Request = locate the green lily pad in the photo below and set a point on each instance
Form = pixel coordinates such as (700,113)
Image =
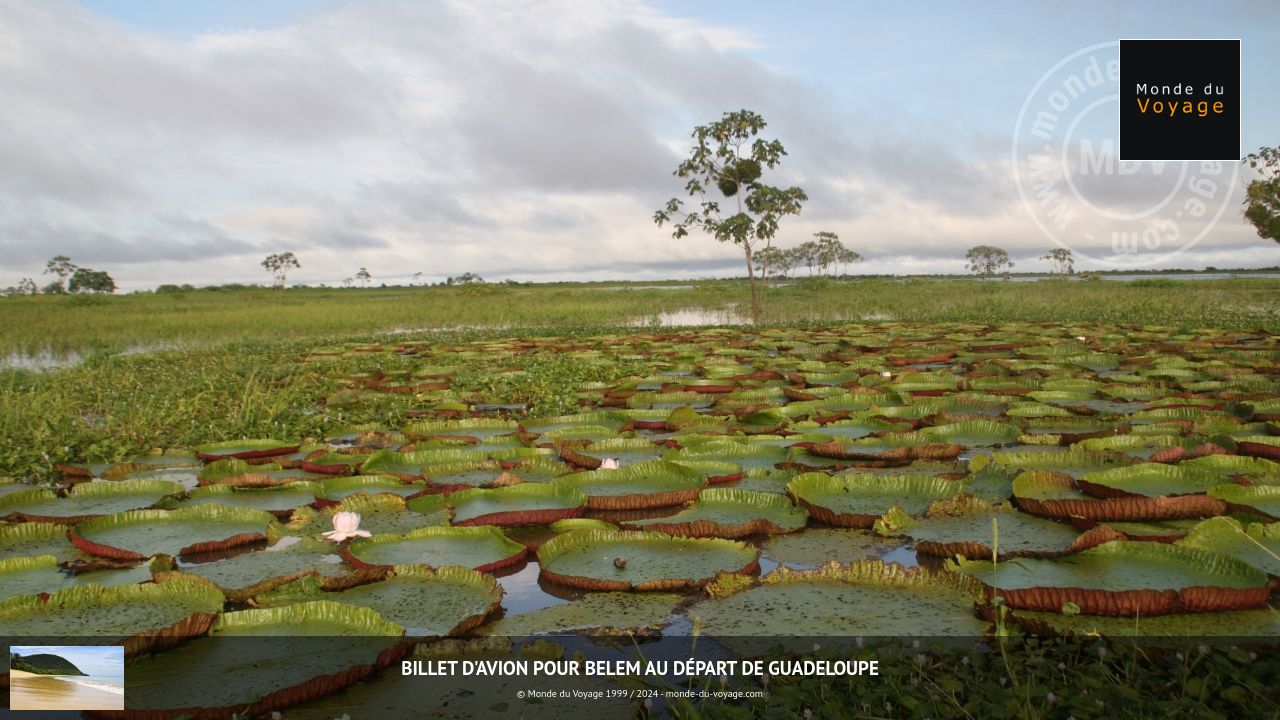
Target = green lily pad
(729,513)
(243,449)
(31,538)
(603,560)
(605,613)
(222,675)
(974,433)
(819,546)
(857,500)
(1149,480)
(116,612)
(138,534)
(1264,499)
(1255,543)
(973,531)
(244,575)
(889,601)
(636,487)
(31,575)
(338,488)
(425,601)
(523,504)
(380,514)
(273,499)
(1125,578)
(482,548)
(88,499)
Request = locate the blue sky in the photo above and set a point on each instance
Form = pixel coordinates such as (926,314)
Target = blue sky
(183,141)
(92,660)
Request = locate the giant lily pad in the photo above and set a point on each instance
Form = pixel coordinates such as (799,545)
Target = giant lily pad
(425,601)
(340,487)
(138,534)
(1263,499)
(279,500)
(482,548)
(1148,480)
(605,613)
(379,514)
(31,538)
(971,529)
(1255,543)
(244,449)
(41,574)
(819,546)
(636,487)
(865,598)
(142,617)
(974,433)
(244,575)
(617,560)
(1125,578)
(86,500)
(729,513)
(523,504)
(857,500)
(410,465)
(330,645)
(1056,495)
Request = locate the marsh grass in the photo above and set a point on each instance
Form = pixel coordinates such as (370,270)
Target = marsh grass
(33,325)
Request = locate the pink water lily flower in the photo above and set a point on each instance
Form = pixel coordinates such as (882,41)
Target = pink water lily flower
(609,464)
(346,525)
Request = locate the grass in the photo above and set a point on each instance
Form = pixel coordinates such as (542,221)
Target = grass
(87,325)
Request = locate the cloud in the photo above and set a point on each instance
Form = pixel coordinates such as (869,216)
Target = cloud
(509,139)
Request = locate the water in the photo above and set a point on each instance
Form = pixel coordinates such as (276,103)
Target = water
(46,359)
(110,683)
(692,317)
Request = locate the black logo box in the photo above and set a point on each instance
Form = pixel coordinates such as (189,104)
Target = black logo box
(1205,73)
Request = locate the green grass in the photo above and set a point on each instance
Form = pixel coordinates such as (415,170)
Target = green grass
(85,325)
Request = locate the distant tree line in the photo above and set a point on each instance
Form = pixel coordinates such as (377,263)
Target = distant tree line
(69,278)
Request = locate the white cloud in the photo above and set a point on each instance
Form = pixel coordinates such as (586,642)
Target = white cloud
(518,140)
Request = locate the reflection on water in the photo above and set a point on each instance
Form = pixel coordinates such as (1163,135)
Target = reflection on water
(46,359)
(692,317)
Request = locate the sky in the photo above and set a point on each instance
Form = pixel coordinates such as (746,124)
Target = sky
(182,142)
(105,660)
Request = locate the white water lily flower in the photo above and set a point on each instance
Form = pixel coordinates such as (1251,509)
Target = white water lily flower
(609,464)
(346,525)
(1081,338)
(885,373)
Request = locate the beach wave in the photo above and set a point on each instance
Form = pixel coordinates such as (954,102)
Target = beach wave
(99,684)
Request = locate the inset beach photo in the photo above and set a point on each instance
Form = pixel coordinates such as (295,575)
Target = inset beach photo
(66,677)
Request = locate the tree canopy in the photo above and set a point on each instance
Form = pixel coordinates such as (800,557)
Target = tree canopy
(729,156)
(987,260)
(1262,196)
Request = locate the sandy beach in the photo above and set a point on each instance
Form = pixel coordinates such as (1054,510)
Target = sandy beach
(28,691)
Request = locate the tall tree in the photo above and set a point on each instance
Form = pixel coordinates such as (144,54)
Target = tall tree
(987,260)
(1262,196)
(279,265)
(729,156)
(364,277)
(62,267)
(1060,260)
(771,258)
(95,281)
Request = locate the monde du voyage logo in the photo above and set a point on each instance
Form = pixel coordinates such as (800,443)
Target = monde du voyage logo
(1126,152)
